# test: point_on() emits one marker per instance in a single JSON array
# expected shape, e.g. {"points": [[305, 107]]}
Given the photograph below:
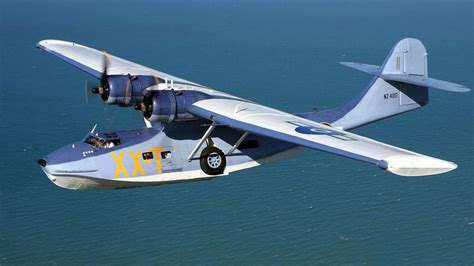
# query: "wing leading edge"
{"points": [[91, 61], [262, 120]]}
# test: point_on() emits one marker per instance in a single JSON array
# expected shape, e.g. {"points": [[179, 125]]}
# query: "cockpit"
{"points": [[112, 139], [102, 141]]}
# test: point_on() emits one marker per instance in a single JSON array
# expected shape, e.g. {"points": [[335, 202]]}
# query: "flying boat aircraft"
{"points": [[194, 132]]}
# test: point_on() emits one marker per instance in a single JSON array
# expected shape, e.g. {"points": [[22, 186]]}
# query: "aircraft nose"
{"points": [[42, 162]]}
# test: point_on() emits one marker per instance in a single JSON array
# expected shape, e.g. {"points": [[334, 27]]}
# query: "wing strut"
{"points": [[237, 143], [201, 141]]}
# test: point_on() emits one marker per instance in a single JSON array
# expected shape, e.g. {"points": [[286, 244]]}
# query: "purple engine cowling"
{"points": [[126, 90], [169, 106]]}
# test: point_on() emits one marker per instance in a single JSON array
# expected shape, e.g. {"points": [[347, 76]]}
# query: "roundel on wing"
{"points": [[314, 130]]}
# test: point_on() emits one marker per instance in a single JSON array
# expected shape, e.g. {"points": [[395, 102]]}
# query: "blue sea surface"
{"points": [[314, 208]]}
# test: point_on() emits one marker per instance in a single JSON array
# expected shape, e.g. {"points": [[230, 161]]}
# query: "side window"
{"points": [[147, 156], [170, 158], [165, 155]]}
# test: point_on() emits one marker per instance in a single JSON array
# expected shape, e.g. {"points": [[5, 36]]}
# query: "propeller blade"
{"points": [[147, 123], [157, 80], [105, 66], [154, 87], [109, 116], [102, 89], [128, 87], [86, 91]]}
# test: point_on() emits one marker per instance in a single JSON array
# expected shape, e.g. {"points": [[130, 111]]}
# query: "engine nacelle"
{"points": [[125, 90], [169, 106]]}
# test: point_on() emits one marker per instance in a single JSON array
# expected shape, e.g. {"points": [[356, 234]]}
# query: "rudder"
{"points": [[408, 57]]}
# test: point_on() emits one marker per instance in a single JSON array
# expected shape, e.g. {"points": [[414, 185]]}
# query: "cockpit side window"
{"points": [[91, 140], [101, 143], [112, 143]]}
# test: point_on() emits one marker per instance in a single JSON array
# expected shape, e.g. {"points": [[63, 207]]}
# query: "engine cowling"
{"points": [[125, 90], [170, 106]]}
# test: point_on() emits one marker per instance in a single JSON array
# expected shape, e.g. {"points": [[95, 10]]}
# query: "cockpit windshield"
{"points": [[101, 142]]}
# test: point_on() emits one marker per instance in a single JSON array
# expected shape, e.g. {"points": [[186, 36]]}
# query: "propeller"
{"points": [[103, 89], [86, 91], [146, 105]]}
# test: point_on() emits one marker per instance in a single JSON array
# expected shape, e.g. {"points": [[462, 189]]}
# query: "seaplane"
{"points": [[193, 132]]}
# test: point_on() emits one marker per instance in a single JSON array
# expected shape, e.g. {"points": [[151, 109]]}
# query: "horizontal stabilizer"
{"points": [[426, 82], [409, 79], [366, 68]]}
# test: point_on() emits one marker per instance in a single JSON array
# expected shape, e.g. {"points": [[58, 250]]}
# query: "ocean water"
{"points": [[314, 208]]}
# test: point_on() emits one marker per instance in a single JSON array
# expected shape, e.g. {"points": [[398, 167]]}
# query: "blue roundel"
{"points": [[313, 130]]}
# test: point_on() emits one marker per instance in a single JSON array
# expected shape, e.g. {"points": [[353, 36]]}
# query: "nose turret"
{"points": [[42, 162], [71, 166]]}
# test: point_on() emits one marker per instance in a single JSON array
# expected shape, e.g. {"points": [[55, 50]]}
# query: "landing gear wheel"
{"points": [[212, 161]]}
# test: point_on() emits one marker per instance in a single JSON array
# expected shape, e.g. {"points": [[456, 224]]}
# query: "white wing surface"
{"points": [[91, 61], [262, 120]]}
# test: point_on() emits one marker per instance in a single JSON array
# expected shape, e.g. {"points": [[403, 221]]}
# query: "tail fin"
{"points": [[400, 85], [408, 57]]}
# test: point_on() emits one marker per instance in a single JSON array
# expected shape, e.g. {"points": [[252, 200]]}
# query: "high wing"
{"points": [[91, 61], [262, 120]]}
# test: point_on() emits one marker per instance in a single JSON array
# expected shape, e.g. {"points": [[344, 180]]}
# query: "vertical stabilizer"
{"points": [[384, 98], [408, 57], [399, 85]]}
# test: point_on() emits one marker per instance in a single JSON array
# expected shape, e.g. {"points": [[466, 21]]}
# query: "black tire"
{"points": [[212, 161]]}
